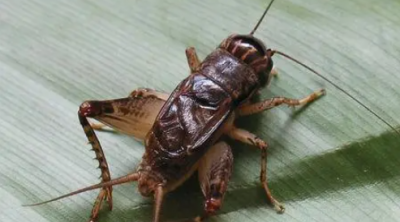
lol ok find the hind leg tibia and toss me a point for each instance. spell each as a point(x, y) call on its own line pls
point(86, 110)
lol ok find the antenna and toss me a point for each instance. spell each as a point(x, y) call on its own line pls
point(337, 87)
point(262, 17)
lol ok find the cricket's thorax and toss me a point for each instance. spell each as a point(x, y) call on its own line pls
point(226, 70)
point(191, 119)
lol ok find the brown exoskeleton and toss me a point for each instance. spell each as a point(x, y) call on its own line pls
point(182, 130)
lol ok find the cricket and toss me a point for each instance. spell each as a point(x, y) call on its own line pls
point(182, 130)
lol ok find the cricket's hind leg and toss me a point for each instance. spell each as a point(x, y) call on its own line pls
point(215, 170)
point(251, 139)
point(86, 110)
point(135, 114)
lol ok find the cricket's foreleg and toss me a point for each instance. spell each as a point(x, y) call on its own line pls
point(193, 59)
point(86, 110)
point(215, 170)
point(251, 139)
point(277, 101)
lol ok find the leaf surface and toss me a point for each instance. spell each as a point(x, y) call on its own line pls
point(329, 161)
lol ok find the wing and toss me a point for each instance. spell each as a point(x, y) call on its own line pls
point(135, 114)
point(191, 116)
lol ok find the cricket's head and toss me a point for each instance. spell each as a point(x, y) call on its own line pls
point(250, 51)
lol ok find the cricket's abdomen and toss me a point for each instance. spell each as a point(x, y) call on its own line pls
point(188, 123)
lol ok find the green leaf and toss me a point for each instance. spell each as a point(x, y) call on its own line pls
point(330, 161)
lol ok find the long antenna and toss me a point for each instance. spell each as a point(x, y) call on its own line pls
point(337, 87)
point(262, 17)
